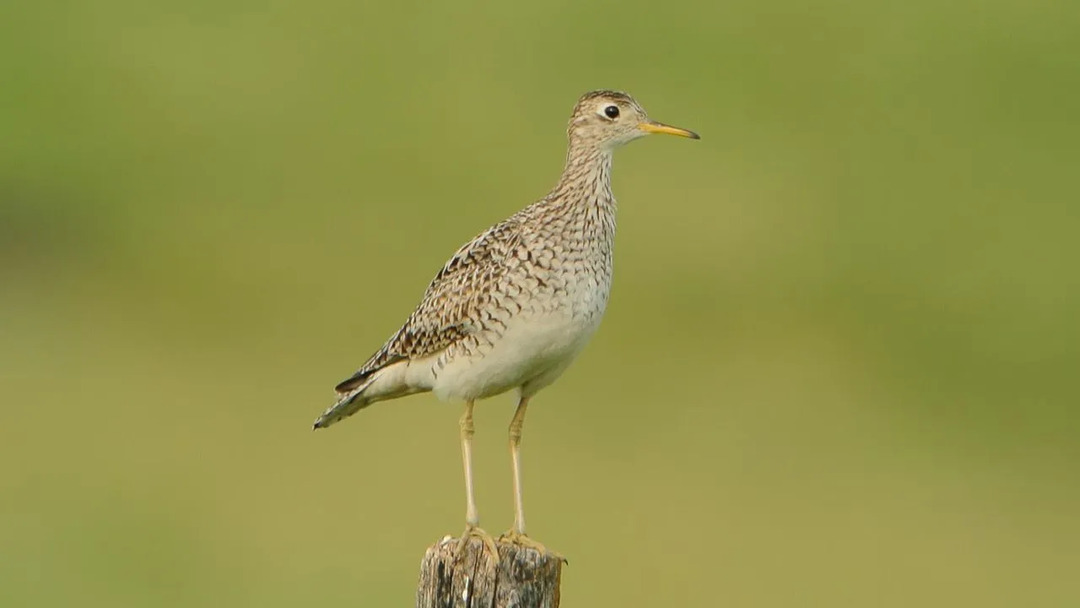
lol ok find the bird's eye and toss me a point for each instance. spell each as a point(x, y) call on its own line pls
point(611, 111)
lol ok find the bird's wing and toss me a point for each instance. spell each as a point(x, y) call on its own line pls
point(449, 309)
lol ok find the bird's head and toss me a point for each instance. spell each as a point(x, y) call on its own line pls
point(609, 119)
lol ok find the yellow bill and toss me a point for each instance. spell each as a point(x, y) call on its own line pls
point(658, 127)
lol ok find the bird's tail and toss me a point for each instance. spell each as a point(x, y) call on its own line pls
point(348, 403)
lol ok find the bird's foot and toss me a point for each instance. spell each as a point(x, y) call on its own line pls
point(514, 537)
point(472, 532)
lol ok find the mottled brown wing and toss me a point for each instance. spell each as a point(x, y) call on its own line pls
point(450, 307)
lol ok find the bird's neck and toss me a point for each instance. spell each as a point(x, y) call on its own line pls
point(580, 210)
point(586, 179)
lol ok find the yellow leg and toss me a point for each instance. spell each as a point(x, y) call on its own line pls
point(515, 456)
point(517, 535)
point(472, 517)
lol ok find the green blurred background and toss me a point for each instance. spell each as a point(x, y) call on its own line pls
point(838, 369)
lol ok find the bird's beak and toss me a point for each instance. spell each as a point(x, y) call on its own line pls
point(659, 127)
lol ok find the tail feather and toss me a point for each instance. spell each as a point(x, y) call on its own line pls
point(348, 403)
point(363, 389)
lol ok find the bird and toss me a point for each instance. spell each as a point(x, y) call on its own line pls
point(514, 306)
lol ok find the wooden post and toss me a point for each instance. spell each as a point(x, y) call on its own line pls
point(523, 577)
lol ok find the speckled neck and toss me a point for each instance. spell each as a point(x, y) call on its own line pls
point(586, 178)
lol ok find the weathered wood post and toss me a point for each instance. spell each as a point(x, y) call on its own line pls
point(522, 578)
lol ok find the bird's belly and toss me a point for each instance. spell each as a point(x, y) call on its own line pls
point(530, 347)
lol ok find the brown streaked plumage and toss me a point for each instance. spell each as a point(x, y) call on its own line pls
point(514, 306)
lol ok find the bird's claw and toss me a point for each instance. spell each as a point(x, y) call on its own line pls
point(470, 533)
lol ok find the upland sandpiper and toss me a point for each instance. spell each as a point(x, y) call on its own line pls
point(515, 305)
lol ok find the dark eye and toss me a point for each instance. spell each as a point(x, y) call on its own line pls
point(611, 111)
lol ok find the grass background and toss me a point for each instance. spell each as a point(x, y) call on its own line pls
point(838, 369)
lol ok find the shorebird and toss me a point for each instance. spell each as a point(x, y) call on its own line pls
point(514, 306)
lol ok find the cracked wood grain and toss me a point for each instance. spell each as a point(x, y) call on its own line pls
point(522, 578)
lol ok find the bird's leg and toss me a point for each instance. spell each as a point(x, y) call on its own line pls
point(515, 457)
point(516, 535)
point(472, 518)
